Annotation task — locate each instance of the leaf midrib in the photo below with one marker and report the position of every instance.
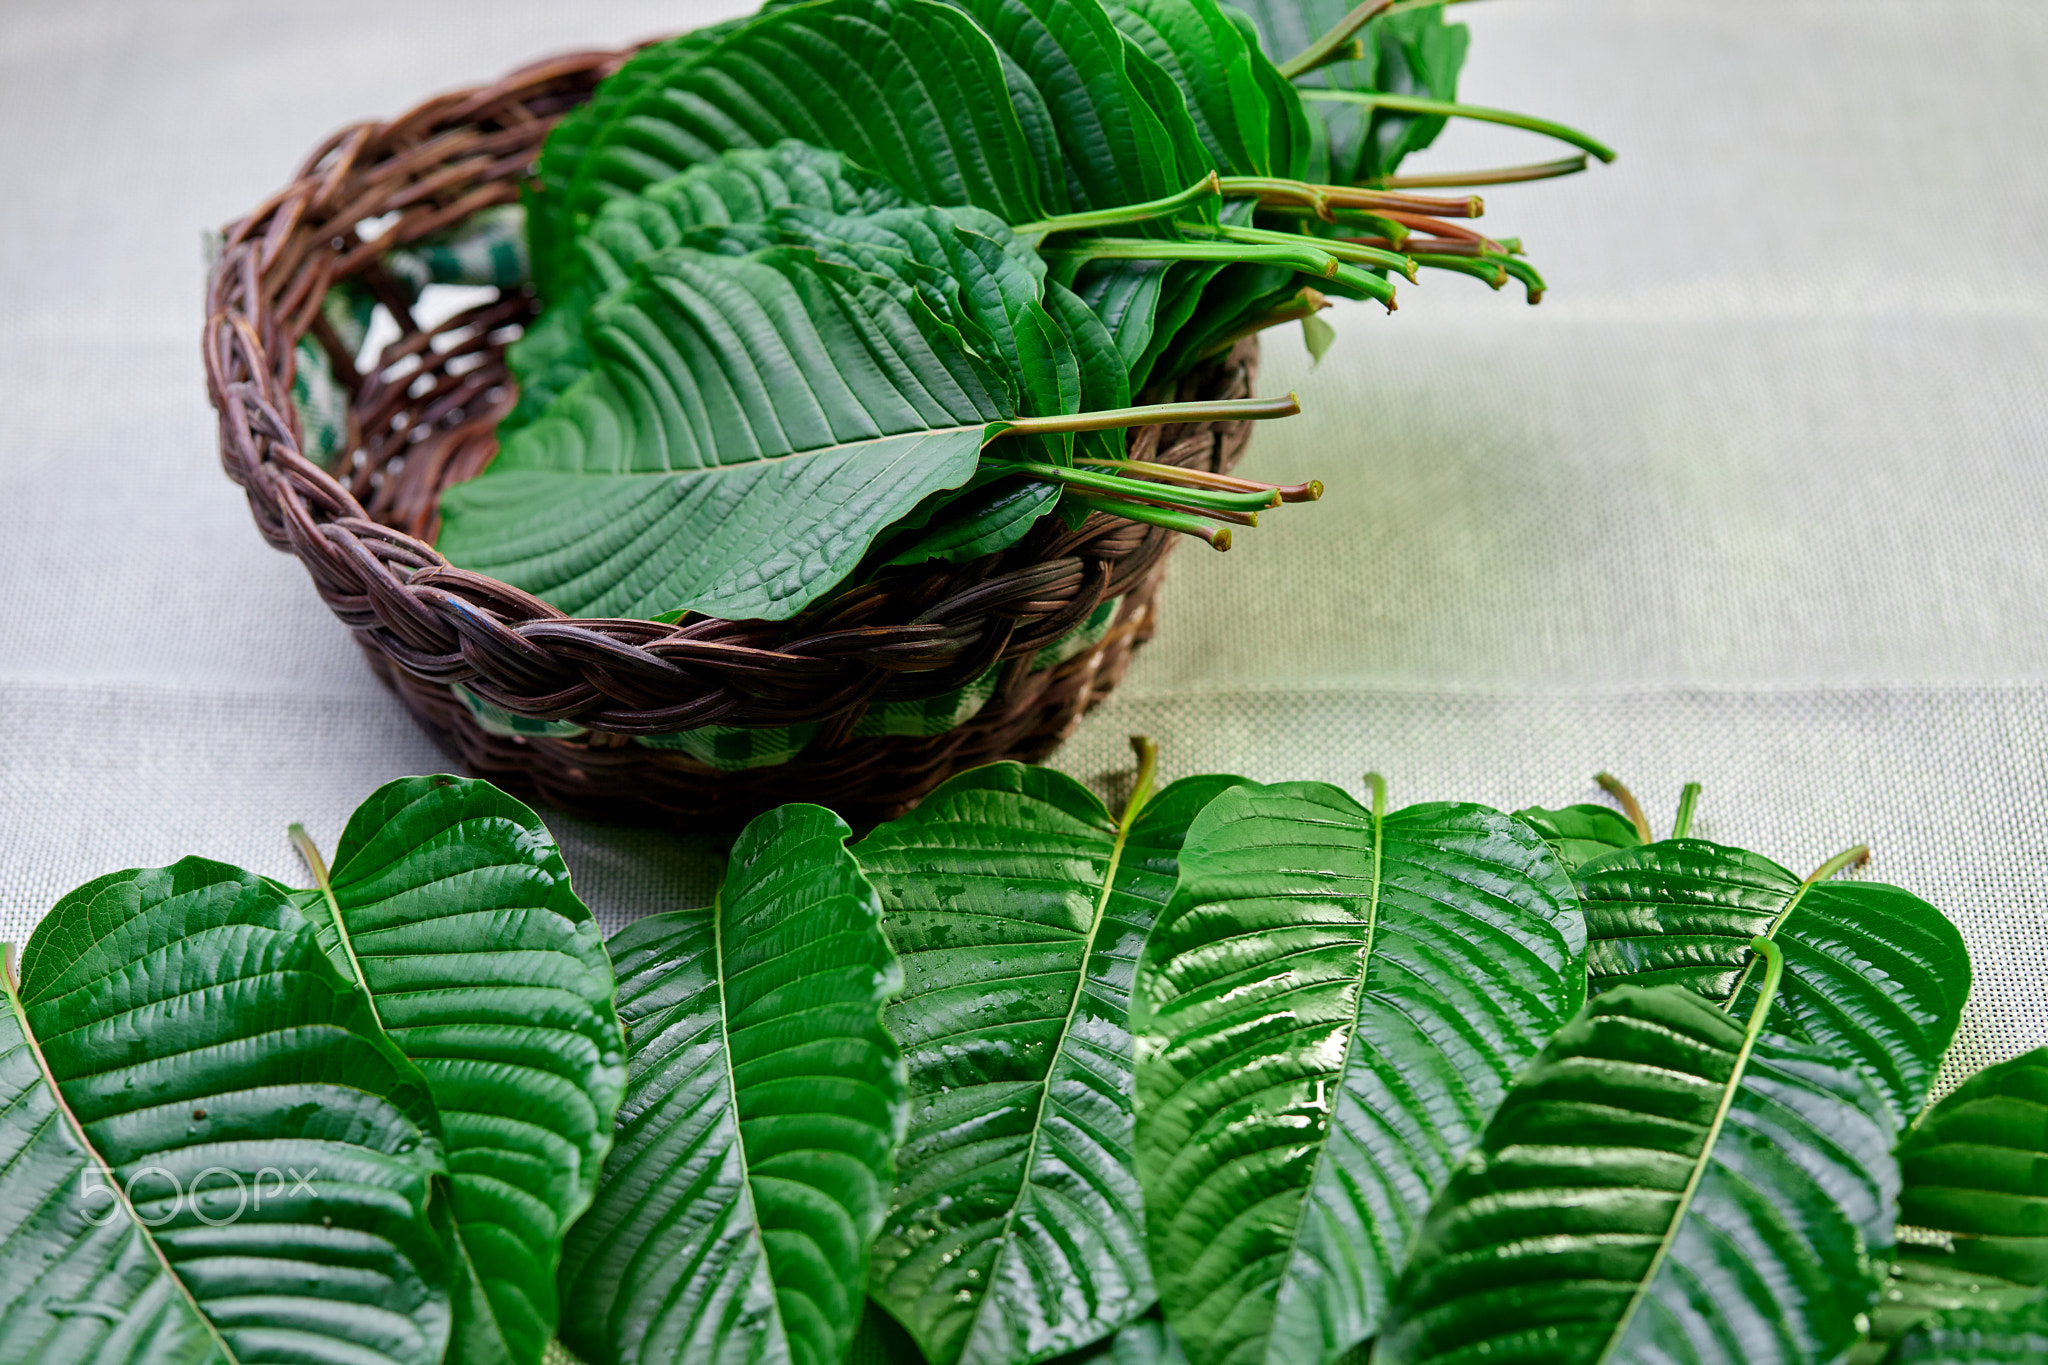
(142, 1229)
(1372, 920)
(732, 1090)
(1003, 1247)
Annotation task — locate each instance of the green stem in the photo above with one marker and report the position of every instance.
(1417, 104)
(1492, 269)
(1458, 180)
(1192, 499)
(1630, 807)
(1208, 187)
(1158, 414)
(1386, 227)
(1319, 52)
(1372, 286)
(1141, 786)
(1774, 971)
(1688, 797)
(1308, 260)
(1202, 478)
(1856, 856)
(1184, 522)
(1353, 51)
(1343, 251)
(1526, 273)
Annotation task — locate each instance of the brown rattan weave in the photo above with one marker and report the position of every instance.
(424, 416)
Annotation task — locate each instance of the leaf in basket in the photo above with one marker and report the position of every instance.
(449, 903)
(1245, 113)
(752, 424)
(752, 1166)
(742, 186)
(213, 1152)
(1017, 904)
(911, 90)
(1326, 1013)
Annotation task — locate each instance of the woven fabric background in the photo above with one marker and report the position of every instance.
(1759, 496)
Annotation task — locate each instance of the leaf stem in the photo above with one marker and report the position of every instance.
(1417, 104)
(1774, 970)
(1630, 807)
(1320, 51)
(1141, 786)
(1504, 175)
(1158, 414)
(1856, 856)
(1341, 248)
(1190, 499)
(1308, 260)
(1186, 523)
(12, 989)
(1325, 200)
(1202, 478)
(317, 865)
(1492, 269)
(1208, 187)
(1688, 797)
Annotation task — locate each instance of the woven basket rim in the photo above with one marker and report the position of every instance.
(905, 635)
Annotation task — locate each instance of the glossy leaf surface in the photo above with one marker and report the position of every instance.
(1873, 974)
(1652, 1191)
(1018, 904)
(1979, 1336)
(241, 1164)
(452, 906)
(750, 426)
(1579, 834)
(1326, 1013)
(752, 1165)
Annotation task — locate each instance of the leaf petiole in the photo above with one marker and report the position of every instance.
(1492, 269)
(1186, 523)
(1308, 260)
(1504, 175)
(1096, 481)
(1630, 807)
(1688, 797)
(1208, 187)
(1202, 478)
(1343, 250)
(1417, 104)
(1326, 48)
(1158, 414)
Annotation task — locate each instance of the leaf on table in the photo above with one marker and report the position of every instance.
(1873, 974)
(1975, 1173)
(752, 1163)
(1326, 1014)
(1652, 1190)
(1017, 904)
(449, 902)
(1579, 834)
(240, 1164)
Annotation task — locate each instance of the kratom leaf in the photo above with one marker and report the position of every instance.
(981, 521)
(1979, 1336)
(1663, 1185)
(449, 902)
(1975, 1181)
(752, 1162)
(751, 425)
(1579, 834)
(240, 1164)
(1148, 1341)
(742, 186)
(1017, 904)
(1326, 1013)
(911, 90)
(1873, 974)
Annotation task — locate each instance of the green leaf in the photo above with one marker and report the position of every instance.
(1327, 1011)
(449, 902)
(1579, 834)
(1663, 1185)
(1975, 1181)
(980, 522)
(1980, 1336)
(1017, 903)
(742, 186)
(240, 1164)
(912, 90)
(1873, 974)
(752, 1162)
(752, 424)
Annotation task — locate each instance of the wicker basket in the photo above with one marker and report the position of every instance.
(468, 653)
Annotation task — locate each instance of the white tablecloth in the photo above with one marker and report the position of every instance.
(1759, 495)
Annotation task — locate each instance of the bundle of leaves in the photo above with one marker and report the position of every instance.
(855, 284)
(1245, 1073)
